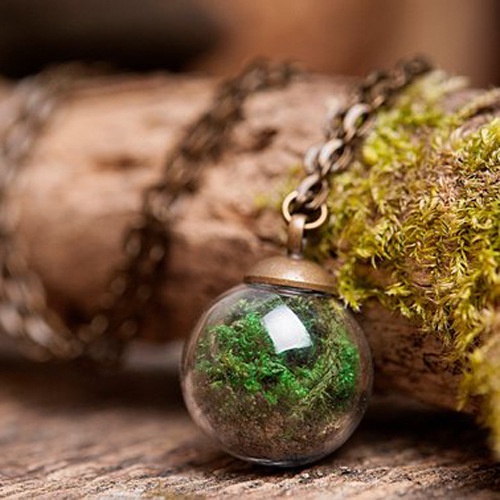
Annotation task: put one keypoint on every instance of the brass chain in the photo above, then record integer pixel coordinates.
(24, 314)
(133, 288)
(342, 132)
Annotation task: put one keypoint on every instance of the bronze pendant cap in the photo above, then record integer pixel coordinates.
(291, 271)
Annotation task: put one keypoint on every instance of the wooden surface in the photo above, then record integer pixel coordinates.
(70, 432)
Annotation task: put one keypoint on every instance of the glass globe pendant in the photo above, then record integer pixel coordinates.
(277, 371)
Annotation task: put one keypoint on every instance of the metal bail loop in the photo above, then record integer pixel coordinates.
(296, 228)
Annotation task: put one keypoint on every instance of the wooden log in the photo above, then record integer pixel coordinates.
(83, 187)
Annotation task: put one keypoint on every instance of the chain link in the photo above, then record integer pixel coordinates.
(134, 288)
(24, 314)
(342, 132)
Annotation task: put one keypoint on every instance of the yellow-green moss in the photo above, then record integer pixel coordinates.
(423, 202)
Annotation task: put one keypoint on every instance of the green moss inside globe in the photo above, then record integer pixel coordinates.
(276, 375)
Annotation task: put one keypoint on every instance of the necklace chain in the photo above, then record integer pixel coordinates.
(133, 289)
(344, 129)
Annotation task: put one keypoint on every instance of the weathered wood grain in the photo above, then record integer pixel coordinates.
(70, 432)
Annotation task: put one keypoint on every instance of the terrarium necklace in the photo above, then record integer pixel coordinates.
(277, 371)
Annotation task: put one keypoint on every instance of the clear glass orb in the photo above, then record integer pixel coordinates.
(278, 376)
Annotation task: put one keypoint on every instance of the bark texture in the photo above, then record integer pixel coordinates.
(83, 187)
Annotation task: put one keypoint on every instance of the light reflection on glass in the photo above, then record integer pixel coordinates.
(286, 330)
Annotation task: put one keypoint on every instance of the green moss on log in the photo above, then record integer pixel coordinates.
(422, 201)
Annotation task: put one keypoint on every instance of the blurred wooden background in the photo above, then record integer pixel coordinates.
(218, 36)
